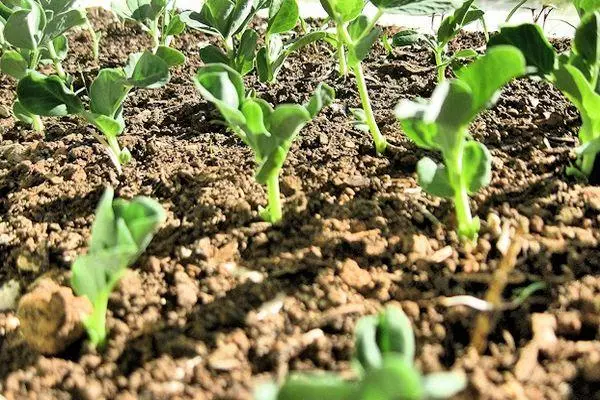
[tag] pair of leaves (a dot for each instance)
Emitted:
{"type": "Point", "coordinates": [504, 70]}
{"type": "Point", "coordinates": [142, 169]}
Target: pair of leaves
{"type": "Point", "coordinates": [385, 350]}
{"type": "Point", "coordinates": [441, 124]}
{"type": "Point", "coordinates": [222, 17]}
{"type": "Point", "coordinates": [142, 11]}
{"type": "Point", "coordinates": [466, 14]}
{"type": "Point", "coordinates": [121, 232]}
{"type": "Point", "coordinates": [268, 131]}
{"type": "Point", "coordinates": [32, 27]}
{"type": "Point", "coordinates": [576, 75]}
{"type": "Point", "coordinates": [241, 59]}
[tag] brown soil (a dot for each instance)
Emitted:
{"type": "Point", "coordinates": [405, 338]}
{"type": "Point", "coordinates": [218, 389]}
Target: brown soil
{"type": "Point", "coordinates": [221, 301]}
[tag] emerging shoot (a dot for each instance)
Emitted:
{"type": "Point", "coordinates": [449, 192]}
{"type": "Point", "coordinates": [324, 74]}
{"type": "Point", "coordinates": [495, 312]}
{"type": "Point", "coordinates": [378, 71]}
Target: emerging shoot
{"type": "Point", "coordinates": [268, 131]}
{"type": "Point", "coordinates": [442, 123]}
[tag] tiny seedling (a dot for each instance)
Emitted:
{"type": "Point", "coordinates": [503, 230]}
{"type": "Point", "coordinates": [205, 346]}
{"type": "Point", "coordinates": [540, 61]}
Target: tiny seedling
{"type": "Point", "coordinates": [384, 366]}
{"type": "Point", "coordinates": [121, 232]}
{"type": "Point", "coordinates": [228, 20]}
{"type": "Point", "coordinates": [34, 33]}
{"type": "Point", "coordinates": [357, 34]}
{"type": "Point", "coordinates": [575, 74]}
{"type": "Point", "coordinates": [42, 95]}
{"type": "Point", "coordinates": [268, 131]}
{"type": "Point", "coordinates": [160, 18]}
{"type": "Point", "coordinates": [450, 27]}
{"type": "Point", "coordinates": [283, 17]}
{"type": "Point", "coordinates": [442, 123]}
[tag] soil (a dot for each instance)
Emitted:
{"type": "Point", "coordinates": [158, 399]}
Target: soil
{"type": "Point", "coordinates": [221, 301]}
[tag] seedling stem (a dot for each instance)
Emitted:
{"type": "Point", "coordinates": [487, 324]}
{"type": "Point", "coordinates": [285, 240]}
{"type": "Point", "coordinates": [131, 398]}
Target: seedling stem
{"type": "Point", "coordinates": [380, 142]}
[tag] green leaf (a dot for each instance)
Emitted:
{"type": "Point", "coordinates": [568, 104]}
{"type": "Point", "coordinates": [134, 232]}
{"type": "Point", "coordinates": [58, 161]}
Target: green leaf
{"type": "Point", "coordinates": [246, 53]}
{"type": "Point", "coordinates": [395, 379]}
{"type": "Point", "coordinates": [24, 29]}
{"type": "Point", "coordinates": [150, 72]}
{"type": "Point", "coordinates": [286, 121]}
{"type": "Point", "coordinates": [61, 23]}
{"type": "Point", "coordinates": [57, 6]}
{"type": "Point", "coordinates": [433, 178]}
{"type": "Point", "coordinates": [407, 37]}
{"type": "Point", "coordinates": [586, 6]}
{"type": "Point", "coordinates": [361, 50]}
{"type": "Point", "coordinates": [21, 113]}
{"type": "Point", "coordinates": [172, 57]}
{"type": "Point", "coordinates": [416, 7]}
{"type": "Point", "coordinates": [110, 127]}
{"type": "Point", "coordinates": [477, 166]}
{"type": "Point", "coordinates": [12, 63]}
{"type": "Point", "coordinates": [395, 334]}
{"type": "Point", "coordinates": [452, 24]}
{"type": "Point", "coordinates": [444, 385]}
{"type": "Point", "coordinates": [176, 26]}
{"type": "Point", "coordinates": [255, 118]}
{"type": "Point", "coordinates": [572, 82]}
{"type": "Point", "coordinates": [587, 38]}
{"type": "Point", "coordinates": [323, 97]}
{"type": "Point", "coordinates": [530, 39]}
{"type": "Point", "coordinates": [366, 350]}
{"type": "Point", "coordinates": [356, 28]}
{"type": "Point", "coordinates": [465, 54]}
{"type": "Point", "coordinates": [223, 86]}
{"type": "Point", "coordinates": [489, 73]}
{"type": "Point", "coordinates": [47, 96]}
{"type": "Point", "coordinates": [343, 10]}
{"type": "Point", "coordinates": [211, 54]}
{"type": "Point", "coordinates": [108, 92]}
{"type": "Point", "coordinates": [263, 67]}
{"type": "Point", "coordinates": [283, 16]}
{"type": "Point", "coordinates": [316, 386]}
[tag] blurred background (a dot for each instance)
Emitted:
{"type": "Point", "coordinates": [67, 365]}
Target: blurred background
{"type": "Point", "coordinates": [556, 16]}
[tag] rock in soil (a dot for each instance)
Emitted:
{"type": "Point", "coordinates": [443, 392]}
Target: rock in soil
{"type": "Point", "coordinates": [51, 317]}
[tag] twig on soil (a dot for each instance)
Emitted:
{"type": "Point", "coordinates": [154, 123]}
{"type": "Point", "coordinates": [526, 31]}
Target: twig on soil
{"type": "Point", "coordinates": [483, 324]}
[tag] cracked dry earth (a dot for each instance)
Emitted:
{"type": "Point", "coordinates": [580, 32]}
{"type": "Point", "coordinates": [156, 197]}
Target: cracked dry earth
{"type": "Point", "coordinates": [221, 301]}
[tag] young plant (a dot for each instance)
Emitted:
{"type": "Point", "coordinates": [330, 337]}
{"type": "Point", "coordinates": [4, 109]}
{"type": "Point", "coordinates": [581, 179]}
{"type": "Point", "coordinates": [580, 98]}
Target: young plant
{"type": "Point", "coordinates": [42, 95]}
{"type": "Point", "coordinates": [575, 74]}
{"type": "Point", "coordinates": [442, 123]}
{"type": "Point", "coordinates": [33, 33]}
{"type": "Point", "coordinates": [283, 17]}
{"type": "Point", "coordinates": [160, 18]}
{"type": "Point", "coordinates": [450, 27]}
{"type": "Point", "coordinates": [228, 20]}
{"type": "Point", "coordinates": [356, 33]}
{"type": "Point", "coordinates": [268, 131]}
{"type": "Point", "coordinates": [121, 232]}
{"type": "Point", "coordinates": [384, 366]}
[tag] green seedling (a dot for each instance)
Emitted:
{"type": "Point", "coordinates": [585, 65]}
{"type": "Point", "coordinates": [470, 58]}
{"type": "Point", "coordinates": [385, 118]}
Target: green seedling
{"type": "Point", "coordinates": [575, 74]}
{"type": "Point", "coordinates": [450, 27]}
{"type": "Point", "coordinates": [384, 366]}
{"type": "Point", "coordinates": [160, 18]}
{"type": "Point", "coordinates": [33, 32]}
{"type": "Point", "coordinates": [357, 34]}
{"type": "Point", "coordinates": [268, 131]}
{"type": "Point", "coordinates": [121, 232]}
{"type": "Point", "coordinates": [42, 95]}
{"type": "Point", "coordinates": [442, 123]}
{"type": "Point", "coordinates": [228, 20]}
{"type": "Point", "coordinates": [283, 17]}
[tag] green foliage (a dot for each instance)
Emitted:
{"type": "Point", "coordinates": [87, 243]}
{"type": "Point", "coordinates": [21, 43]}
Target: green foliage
{"type": "Point", "coordinates": [41, 95]}
{"type": "Point", "coordinates": [268, 131]}
{"type": "Point", "coordinates": [465, 14]}
{"type": "Point", "coordinates": [121, 232]}
{"type": "Point", "coordinates": [283, 17]}
{"type": "Point", "coordinates": [357, 34]}
{"type": "Point", "coordinates": [229, 19]}
{"type": "Point", "coordinates": [159, 18]}
{"type": "Point", "coordinates": [576, 74]}
{"type": "Point", "coordinates": [442, 125]}
{"type": "Point", "coordinates": [385, 348]}
{"type": "Point", "coordinates": [32, 32]}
